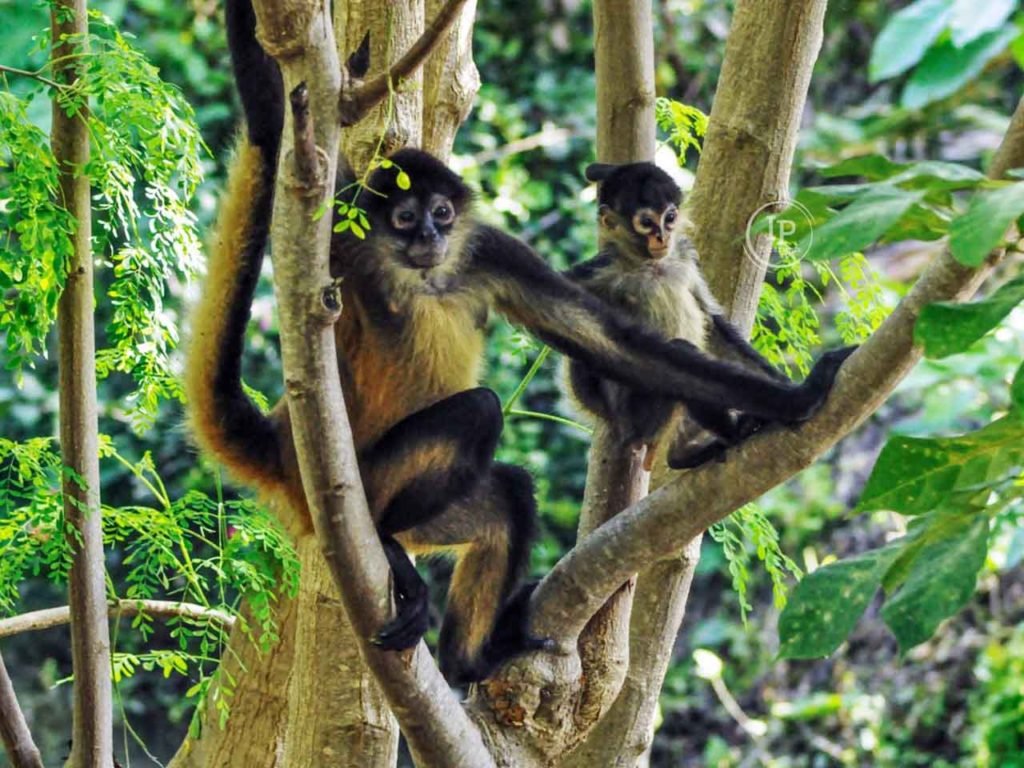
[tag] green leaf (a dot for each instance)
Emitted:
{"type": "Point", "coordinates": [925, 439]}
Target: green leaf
{"type": "Point", "coordinates": [871, 167]}
{"type": "Point", "coordinates": [980, 229]}
{"type": "Point", "coordinates": [402, 180]}
{"type": "Point", "coordinates": [945, 68]}
{"type": "Point", "coordinates": [904, 40]}
{"type": "Point", "coordinates": [916, 475]}
{"type": "Point", "coordinates": [860, 224]}
{"type": "Point", "coordinates": [357, 230]}
{"type": "Point", "coordinates": [936, 175]}
{"type": "Point", "coordinates": [941, 578]}
{"type": "Point", "coordinates": [971, 19]}
{"type": "Point", "coordinates": [948, 328]}
{"type": "Point", "coordinates": [826, 605]}
{"type": "Point", "coordinates": [1017, 388]}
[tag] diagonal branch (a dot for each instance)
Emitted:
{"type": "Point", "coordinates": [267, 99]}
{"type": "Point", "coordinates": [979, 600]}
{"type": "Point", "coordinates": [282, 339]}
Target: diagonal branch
{"type": "Point", "coordinates": [14, 733]}
{"type": "Point", "coordinates": [668, 519]}
{"type": "Point", "coordinates": [354, 103]}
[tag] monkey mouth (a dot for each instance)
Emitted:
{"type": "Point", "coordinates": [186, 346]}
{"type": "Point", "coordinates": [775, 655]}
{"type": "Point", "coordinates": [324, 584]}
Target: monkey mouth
{"type": "Point", "coordinates": [658, 253]}
{"type": "Point", "coordinates": [424, 258]}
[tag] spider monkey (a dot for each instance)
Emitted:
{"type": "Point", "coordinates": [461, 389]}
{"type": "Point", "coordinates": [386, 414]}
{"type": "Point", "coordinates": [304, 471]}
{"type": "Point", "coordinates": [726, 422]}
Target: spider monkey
{"type": "Point", "coordinates": [648, 267]}
{"type": "Point", "coordinates": [416, 294]}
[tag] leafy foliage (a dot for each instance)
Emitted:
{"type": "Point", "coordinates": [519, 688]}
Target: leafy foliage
{"type": "Point", "coordinates": [144, 168]}
{"type": "Point", "coordinates": [946, 43]}
{"type": "Point", "coordinates": [684, 125]}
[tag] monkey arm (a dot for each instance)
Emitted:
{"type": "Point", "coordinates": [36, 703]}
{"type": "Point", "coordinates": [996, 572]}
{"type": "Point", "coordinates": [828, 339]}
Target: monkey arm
{"type": "Point", "coordinates": [728, 342]}
{"type": "Point", "coordinates": [529, 292]}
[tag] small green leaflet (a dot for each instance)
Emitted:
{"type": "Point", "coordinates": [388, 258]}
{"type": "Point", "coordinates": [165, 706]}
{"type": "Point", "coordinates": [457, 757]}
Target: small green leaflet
{"type": "Point", "coordinates": [907, 36]}
{"type": "Point", "coordinates": [915, 475]}
{"type": "Point", "coordinates": [945, 68]}
{"type": "Point", "coordinates": [982, 227]}
{"type": "Point", "coordinates": [861, 223]}
{"type": "Point", "coordinates": [402, 180]}
{"type": "Point", "coordinates": [948, 328]}
{"type": "Point", "coordinates": [955, 547]}
{"type": "Point", "coordinates": [826, 605]}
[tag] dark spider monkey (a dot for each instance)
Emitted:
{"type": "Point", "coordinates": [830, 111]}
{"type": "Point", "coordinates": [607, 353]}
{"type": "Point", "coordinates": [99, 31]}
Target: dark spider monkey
{"type": "Point", "coordinates": [648, 267]}
{"type": "Point", "coordinates": [410, 341]}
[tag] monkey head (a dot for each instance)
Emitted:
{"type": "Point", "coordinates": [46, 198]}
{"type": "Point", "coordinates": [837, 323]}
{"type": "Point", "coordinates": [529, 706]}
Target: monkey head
{"type": "Point", "coordinates": [638, 207]}
{"type": "Point", "coordinates": [416, 205]}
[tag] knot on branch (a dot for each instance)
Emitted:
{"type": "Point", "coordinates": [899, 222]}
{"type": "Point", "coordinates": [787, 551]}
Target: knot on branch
{"type": "Point", "coordinates": [331, 303]}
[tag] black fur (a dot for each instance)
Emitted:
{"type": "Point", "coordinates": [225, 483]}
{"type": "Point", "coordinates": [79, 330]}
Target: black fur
{"type": "Point", "coordinates": [626, 188]}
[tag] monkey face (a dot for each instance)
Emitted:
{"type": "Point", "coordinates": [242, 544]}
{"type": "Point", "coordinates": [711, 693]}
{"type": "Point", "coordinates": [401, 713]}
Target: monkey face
{"type": "Point", "coordinates": [656, 229]}
{"type": "Point", "coordinates": [422, 225]}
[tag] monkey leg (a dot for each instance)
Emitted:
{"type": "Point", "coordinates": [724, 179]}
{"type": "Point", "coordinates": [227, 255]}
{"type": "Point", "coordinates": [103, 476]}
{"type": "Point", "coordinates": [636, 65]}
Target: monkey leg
{"type": "Point", "coordinates": [490, 534]}
{"type": "Point", "coordinates": [418, 469]}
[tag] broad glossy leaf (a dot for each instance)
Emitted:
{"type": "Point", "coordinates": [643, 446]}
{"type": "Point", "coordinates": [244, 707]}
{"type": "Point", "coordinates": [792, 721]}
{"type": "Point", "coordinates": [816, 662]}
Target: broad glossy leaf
{"type": "Point", "coordinates": [941, 578]}
{"type": "Point", "coordinates": [971, 19]}
{"type": "Point", "coordinates": [861, 223]}
{"type": "Point", "coordinates": [871, 167]}
{"type": "Point", "coordinates": [946, 68]}
{"type": "Point", "coordinates": [921, 222]}
{"type": "Point", "coordinates": [980, 229]}
{"type": "Point", "coordinates": [916, 475]}
{"type": "Point", "coordinates": [826, 604]}
{"type": "Point", "coordinates": [903, 41]}
{"type": "Point", "coordinates": [933, 174]}
{"type": "Point", "coordinates": [947, 328]}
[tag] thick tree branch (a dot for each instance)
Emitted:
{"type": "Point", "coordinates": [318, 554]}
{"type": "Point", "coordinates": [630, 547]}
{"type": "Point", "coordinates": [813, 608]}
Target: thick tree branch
{"type": "Point", "coordinates": [21, 749]}
{"type": "Point", "coordinates": [437, 729]}
{"type": "Point", "coordinates": [355, 103]}
{"type": "Point", "coordinates": [166, 609]}
{"type": "Point", "coordinates": [669, 518]}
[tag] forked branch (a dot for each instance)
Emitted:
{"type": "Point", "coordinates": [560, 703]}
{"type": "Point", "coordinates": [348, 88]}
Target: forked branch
{"type": "Point", "coordinates": [357, 100]}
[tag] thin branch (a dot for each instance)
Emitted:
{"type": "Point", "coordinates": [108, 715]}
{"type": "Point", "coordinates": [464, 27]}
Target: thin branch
{"type": "Point", "coordinates": [355, 103]}
{"type": "Point", "coordinates": [669, 518]}
{"type": "Point", "coordinates": [21, 749]}
{"type": "Point", "coordinates": [32, 75]}
{"type": "Point", "coordinates": [57, 617]}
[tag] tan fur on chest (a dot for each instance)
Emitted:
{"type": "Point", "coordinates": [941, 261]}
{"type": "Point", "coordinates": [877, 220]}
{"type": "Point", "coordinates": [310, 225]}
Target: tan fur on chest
{"type": "Point", "coordinates": [438, 353]}
{"type": "Point", "coordinates": [659, 294]}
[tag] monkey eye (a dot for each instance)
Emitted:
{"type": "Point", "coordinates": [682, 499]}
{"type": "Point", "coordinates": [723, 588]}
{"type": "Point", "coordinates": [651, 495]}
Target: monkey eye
{"type": "Point", "coordinates": [648, 223]}
{"type": "Point", "coordinates": [670, 219]}
{"type": "Point", "coordinates": [443, 214]}
{"type": "Point", "coordinates": [403, 219]}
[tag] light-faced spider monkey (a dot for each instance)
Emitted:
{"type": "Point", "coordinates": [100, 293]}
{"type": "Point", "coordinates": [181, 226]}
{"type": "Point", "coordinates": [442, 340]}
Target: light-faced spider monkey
{"type": "Point", "coordinates": [647, 267]}
{"type": "Point", "coordinates": [416, 293]}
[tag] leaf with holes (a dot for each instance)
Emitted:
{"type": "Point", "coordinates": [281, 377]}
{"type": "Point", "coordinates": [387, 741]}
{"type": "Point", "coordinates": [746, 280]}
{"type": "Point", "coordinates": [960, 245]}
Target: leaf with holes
{"type": "Point", "coordinates": [826, 604]}
{"type": "Point", "coordinates": [915, 475]}
{"type": "Point", "coordinates": [941, 576]}
{"type": "Point", "coordinates": [948, 328]}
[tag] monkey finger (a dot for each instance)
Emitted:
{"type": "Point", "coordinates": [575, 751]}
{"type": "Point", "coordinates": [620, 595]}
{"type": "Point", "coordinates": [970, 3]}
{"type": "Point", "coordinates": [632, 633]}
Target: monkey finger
{"type": "Point", "coordinates": [406, 629]}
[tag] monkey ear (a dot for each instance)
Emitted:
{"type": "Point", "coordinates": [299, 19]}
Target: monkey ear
{"type": "Point", "coordinates": [359, 62]}
{"type": "Point", "coordinates": [605, 217]}
{"type": "Point", "coordinates": [598, 171]}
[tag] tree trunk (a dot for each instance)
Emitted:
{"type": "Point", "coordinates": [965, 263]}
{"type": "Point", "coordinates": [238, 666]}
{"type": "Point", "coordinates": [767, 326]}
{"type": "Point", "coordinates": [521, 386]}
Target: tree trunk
{"type": "Point", "coordinates": [624, 64]}
{"type": "Point", "coordinates": [92, 727]}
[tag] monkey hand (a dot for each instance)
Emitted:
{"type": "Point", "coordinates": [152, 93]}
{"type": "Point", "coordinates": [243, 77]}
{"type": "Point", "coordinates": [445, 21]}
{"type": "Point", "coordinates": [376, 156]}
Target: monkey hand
{"type": "Point", "coordinates": [816, 387]}
{"type": "Point", "coordinates": [412, 609]}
